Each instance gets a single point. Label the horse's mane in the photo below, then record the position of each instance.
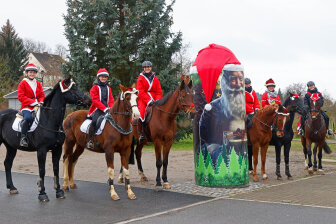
(164, 99)
(47, 100)
(267, 110)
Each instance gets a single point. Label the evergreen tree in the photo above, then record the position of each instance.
(119, 35)
(234, 165)
(13, 51)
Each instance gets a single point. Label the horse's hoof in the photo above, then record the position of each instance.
(115, 197)
(144, 179)
(265, 177)
(166, 185)
(60, 194)
(121, 181)
(255, 179)
(250, 171)
(320, 172)
(310, 171)
(66, 188)
(14, 191)
(43, 198)
(131, 196)
(289, 177)
(315, 169)
(73, 186)
(279, 177)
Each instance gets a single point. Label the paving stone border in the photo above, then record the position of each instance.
(192, 188)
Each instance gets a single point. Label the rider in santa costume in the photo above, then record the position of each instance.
(30, 94)
(312, 90)
(270, 96)
(149, 89)
(251, 100)
(102, 100)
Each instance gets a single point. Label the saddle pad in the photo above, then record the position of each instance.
(86, 124)
(17, 123)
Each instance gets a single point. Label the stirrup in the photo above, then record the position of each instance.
(142, 139)
(330, 132)
(300, 132)
(90, 145)
(24, 142)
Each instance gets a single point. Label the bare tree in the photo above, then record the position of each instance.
(61, 51)
(36, 46)
(182, 59)
(298, 88)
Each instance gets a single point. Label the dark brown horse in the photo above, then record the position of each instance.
(162, 127)
(315, 131)
(116, 137)
(272, 117)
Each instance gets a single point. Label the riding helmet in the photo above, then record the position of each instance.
(247, 81)
(31, 67)
(310, 83)
(146, 63)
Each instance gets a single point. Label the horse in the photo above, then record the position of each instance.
(260, 134)
(116, 137)
(315, 131)
(48, 134)
(162, 128)
(293, 105)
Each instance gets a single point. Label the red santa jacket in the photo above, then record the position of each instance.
(95, 93)
(266, 100)
(148, 91)
(251, 101)
(30, 93)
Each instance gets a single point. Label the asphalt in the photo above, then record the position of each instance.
(90, 203)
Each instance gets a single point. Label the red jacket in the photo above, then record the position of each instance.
(95, 93)
(265, 100)
(28, 96)
(251, 101)
(148, 91)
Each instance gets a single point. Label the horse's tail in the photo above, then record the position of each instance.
(131, 158)
(326, 148)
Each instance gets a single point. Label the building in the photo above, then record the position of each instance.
(49, 66)
(13, 101)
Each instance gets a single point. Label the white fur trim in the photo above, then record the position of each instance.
(31, 67)
(103, 73)
(233, 68)
(208, 107)
(150, 85)
(67, 89)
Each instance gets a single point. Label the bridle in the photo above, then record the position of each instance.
(274, 125)
(129, 109)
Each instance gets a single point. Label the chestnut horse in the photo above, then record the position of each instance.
(272, 117)
(116, 137)
(162, 128)
(315, 131)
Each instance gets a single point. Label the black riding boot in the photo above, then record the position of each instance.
(303, 120)
(142, 137)
(90, 144)
(24, 130)
(249, 121)
(326, 119)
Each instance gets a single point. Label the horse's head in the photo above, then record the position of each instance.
(72, 94)
(280, 120)
(185, 95)
(315, 105)
(294, 103)
(130, 97)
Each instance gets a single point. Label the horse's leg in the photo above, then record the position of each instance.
(72, 163)
(138, 154)
(263, 161)
(304, 148)
(41, 158)
(250, 154)
(121, 176)
(166, 149)
(255, 161)
(287, 147)
(320, 169)
(11, 153)
(124, 164)
(56, 156)
(315, 160)
(309, 153)
(68, 151)
(278, 160)
(158, 147)
(109, 156)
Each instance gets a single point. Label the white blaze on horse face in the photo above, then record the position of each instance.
(135, 109)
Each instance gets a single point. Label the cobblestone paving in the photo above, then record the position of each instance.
(192, 188)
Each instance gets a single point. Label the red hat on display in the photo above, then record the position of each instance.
(270, 82)
(103, 72)
(31, 67)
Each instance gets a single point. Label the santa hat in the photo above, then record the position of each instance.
(270, 82)
(31, 67)
(103, 72)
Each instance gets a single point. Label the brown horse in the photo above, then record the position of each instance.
(315, 131)
(260, 134)
(162, 127)
(116, 137)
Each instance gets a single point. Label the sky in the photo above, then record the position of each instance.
(289, 41)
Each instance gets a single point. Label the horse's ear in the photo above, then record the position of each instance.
(290, 93)
(182, 85)
(122, 88)
(182, 77)
(187, 78)
(133, 85)
(190, 84)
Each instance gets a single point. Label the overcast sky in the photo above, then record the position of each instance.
(290, 41)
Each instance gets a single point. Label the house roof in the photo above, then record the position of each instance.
(51, 62)
(13, 95)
